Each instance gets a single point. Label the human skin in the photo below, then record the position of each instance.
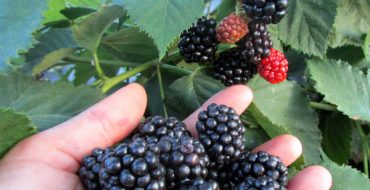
(50, 159)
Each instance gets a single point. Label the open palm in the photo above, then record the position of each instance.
(49, 160)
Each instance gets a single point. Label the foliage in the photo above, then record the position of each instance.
(58, 57)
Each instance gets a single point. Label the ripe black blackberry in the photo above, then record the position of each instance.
(222, 175)
(199, 43)
(132, 165)
(185, 160)
(153, 128)
(266, 11)
(201, 184)
(90, 166)
(231, 68)
(222, 133)
(260, 171)
(256, 44)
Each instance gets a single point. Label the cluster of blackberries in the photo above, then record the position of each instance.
(236, 65)
(161, 154)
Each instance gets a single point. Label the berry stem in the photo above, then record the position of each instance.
(161, 89)
(75, 59)
(323, 106)
(98, 68)
(208, 8)
(110, 83)
(365, 148)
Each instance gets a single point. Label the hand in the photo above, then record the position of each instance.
(50, 159)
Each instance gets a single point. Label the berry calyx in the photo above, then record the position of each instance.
(231, 29)
(274, 68)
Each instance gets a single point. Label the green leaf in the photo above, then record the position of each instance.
(345, 177)
(351, 23)
(17, 22)
(52, 40)
(76, 12)
(337, 132)
(14, 127)
(163, 20)
(55, 7)
(285, 105)
(51, 59)
(225, 8)
(188, 93)
(343, 85)
(273, 29)
(131, 45)
(89, 32)
(46, 104)
(307, 25)
(349, 53)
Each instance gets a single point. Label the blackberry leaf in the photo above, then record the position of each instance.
(343, 85)
(14, 127)
(294, 116)
(165, 20)
(308, 24)
(17, 26)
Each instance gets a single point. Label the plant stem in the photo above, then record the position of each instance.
(208, 8)
(159, 75)
(110, 83)
(102, 61)
(323, 106)
(365, 148)
(98, 68)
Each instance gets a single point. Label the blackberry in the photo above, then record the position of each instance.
(199, 43)
(256, 44)
(231, 68)
(90, 166)
(185, 160)
(266, 11)
(132, 165)
(153, 128)
(222, 133)
(222, 175)
(260, 171)
(201, 184)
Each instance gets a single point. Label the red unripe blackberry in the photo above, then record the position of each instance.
(274, 68)
(231, 29)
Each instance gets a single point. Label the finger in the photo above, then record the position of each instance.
(311, 178)
(238, 97)
(102, 125)
(287, 147)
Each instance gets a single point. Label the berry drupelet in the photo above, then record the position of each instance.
(274, 68)
(259, 171)
(265, 11)
(90, 166)
(231, 68)
(222, 133)
(154, 128)
(133, 165)
(231, 29)
(199, 43)
(201, 184)
(256, 44)
(185, 160)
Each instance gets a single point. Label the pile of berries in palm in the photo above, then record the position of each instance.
(162, 155)
(254, 50)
